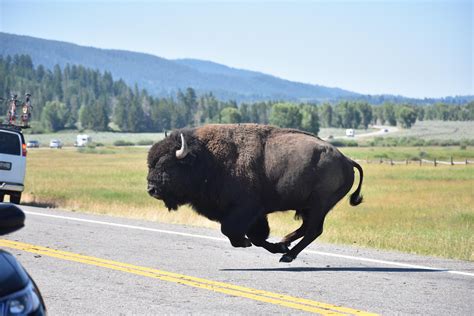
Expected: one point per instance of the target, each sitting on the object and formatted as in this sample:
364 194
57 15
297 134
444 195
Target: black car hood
12 275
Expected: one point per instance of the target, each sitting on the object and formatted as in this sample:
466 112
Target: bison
236 174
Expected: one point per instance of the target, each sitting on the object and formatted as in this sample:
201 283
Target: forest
79 98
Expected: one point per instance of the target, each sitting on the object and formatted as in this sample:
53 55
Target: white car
55 143
12 163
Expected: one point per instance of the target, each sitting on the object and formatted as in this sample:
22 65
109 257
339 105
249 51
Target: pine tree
310 119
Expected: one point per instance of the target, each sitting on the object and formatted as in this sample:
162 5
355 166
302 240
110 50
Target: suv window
10 144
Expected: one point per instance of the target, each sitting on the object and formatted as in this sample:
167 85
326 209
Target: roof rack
13 127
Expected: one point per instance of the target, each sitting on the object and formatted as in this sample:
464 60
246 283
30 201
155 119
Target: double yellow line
220 287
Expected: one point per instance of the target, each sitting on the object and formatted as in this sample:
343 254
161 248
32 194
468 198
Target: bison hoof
286 258
244 243
247 243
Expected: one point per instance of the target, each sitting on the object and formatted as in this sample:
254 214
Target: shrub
381 155
145 142
423 154
122 142
344 143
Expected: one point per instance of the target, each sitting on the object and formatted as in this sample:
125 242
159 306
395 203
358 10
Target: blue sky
410 48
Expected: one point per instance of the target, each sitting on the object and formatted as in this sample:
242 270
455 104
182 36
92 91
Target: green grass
424 210
397 153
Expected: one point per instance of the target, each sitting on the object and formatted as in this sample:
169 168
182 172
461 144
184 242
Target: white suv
12 162
55 143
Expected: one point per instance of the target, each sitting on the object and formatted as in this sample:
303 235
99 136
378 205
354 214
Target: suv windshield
10 143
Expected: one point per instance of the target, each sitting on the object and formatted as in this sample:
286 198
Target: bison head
171 170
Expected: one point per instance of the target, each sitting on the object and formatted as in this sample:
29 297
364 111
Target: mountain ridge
164 77
161 76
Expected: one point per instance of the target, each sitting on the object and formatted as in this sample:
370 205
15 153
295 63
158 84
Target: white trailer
82 140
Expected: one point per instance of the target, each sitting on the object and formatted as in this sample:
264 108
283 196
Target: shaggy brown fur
237 174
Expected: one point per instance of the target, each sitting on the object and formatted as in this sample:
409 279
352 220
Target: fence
420 162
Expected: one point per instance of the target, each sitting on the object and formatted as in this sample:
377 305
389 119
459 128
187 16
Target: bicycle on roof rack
13 105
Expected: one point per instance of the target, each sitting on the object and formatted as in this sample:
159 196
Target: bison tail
356 198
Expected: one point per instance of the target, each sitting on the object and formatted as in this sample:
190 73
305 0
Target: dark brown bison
237 174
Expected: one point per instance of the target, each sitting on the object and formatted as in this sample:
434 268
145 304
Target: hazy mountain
161 76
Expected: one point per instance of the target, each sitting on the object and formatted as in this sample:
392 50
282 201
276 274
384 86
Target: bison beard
237 174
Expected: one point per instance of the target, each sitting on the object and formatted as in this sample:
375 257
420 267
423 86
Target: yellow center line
215 286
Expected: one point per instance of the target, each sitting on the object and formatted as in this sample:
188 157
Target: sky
410 48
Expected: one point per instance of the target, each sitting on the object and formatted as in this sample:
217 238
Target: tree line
76 97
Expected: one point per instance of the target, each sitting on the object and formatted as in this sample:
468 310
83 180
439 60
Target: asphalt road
90 264
382 131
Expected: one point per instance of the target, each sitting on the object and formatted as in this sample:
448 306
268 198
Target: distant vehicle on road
33 144
55 143
12 162
385 130
350 132
82 140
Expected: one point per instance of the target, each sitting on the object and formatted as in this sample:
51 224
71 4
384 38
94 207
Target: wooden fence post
452 162
434 161
421 162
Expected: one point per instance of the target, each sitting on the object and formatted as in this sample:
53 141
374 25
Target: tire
2 196
15 198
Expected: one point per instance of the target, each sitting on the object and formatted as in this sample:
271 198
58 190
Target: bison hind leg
313 221
310 229
300 214
297 234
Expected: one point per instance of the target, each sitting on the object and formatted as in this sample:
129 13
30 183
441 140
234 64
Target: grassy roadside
424 210
402 153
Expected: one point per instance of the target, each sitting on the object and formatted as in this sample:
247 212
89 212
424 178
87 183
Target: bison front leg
235 225
258 234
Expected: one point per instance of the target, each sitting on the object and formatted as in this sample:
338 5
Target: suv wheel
2 195
15 198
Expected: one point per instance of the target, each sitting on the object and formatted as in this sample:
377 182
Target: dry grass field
425 210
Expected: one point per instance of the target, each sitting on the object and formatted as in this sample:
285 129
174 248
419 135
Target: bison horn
183 151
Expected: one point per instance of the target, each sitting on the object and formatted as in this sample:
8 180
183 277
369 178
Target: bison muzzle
237 174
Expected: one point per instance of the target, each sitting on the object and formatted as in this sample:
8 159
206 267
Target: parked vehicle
55 143
350 132
33 144
12 162
19 295
82 140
